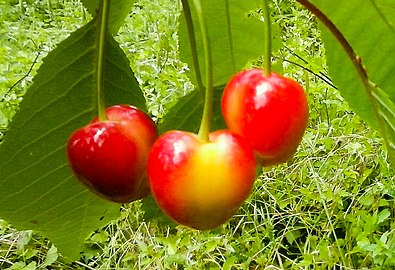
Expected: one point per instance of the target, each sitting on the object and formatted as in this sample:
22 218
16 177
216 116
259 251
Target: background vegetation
330 207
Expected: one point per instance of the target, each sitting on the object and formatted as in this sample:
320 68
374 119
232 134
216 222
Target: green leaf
383 215
100 237
187 113
118 11
51 256
386 9
368 26
37 189
386 111
235 38
292 235
366 200
346 78
229 263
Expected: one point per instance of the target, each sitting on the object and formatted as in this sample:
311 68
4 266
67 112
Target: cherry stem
192 42
103 17
205 124
268 39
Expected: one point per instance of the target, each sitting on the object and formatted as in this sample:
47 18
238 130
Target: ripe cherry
110 156
201 184
271 112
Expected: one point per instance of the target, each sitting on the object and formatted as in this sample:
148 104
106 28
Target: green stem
230 34
103 18
205 124
268 39
192 41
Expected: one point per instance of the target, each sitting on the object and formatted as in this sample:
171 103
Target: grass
331 207
28 32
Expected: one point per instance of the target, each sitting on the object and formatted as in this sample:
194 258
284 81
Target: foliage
28 33
330 207
60 100
369 67
232 47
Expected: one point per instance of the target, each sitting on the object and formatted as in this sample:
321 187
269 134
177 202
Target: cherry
271 112
110 156
201 184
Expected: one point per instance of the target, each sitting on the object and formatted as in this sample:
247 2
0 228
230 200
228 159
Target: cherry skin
110 157
201 184
271 112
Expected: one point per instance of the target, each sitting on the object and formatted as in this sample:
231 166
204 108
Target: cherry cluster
197 183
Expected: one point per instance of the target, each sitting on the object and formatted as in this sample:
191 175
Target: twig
306 62
24 76
324 78
84 265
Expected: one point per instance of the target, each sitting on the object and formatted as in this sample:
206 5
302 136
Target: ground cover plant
331 206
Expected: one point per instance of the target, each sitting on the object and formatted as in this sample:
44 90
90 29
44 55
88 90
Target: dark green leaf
235 38
187 113
368 26
386 111
346 78
37 188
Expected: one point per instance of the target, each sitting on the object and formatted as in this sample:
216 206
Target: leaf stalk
192 42
268 39
103 18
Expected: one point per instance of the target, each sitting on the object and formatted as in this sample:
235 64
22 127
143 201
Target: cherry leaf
187 113
235 37
37 189
368 27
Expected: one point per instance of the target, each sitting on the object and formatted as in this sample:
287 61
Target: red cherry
271 112
110 157
201 184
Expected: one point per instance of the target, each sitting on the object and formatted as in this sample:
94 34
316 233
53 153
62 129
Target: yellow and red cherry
201 184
